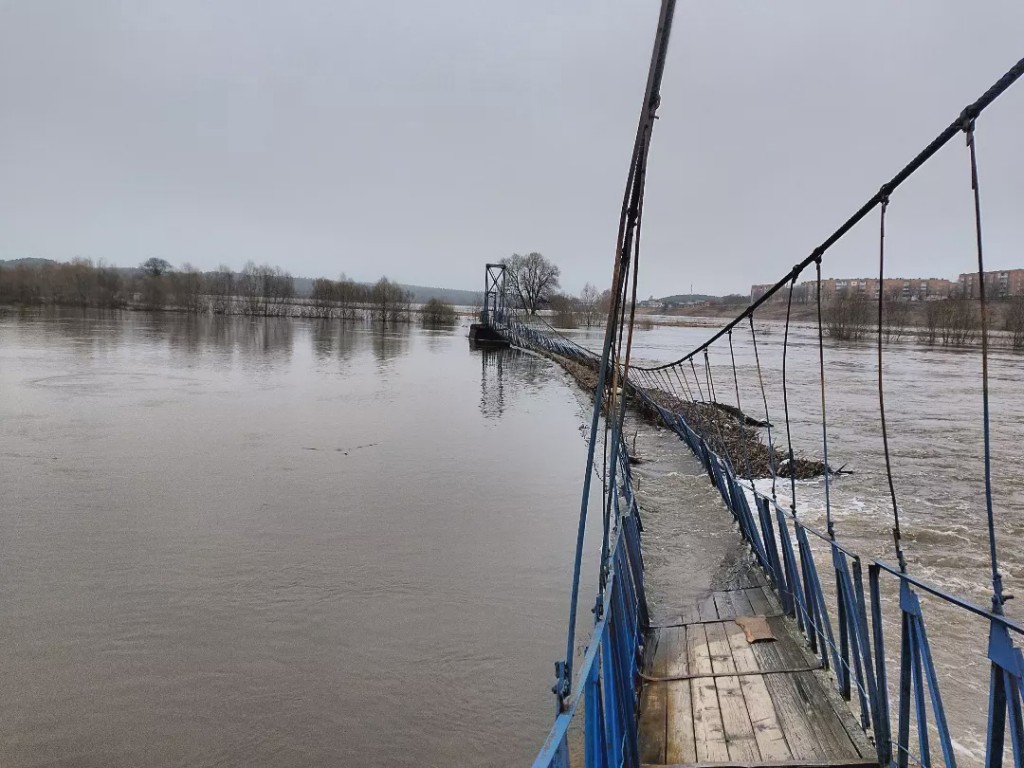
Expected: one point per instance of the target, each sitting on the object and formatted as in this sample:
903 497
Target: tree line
950 322
258 290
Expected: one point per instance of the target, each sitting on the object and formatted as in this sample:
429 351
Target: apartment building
999 284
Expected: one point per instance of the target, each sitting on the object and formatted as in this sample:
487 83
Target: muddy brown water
234 542
227 541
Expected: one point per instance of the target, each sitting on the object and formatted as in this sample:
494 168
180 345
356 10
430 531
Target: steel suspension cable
648 113
739 415
896 533
785 400
767 416
714 412
824 429
997 579
969 113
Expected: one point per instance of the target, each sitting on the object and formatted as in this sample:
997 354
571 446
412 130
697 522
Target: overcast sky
422 139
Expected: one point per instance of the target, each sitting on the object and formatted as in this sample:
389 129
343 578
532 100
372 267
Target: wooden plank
833 731
843 721
736 720
707 608
791 705
741 604
772 600
723 605
680 746
818 710
759 602
690 615
651 738
708 731
771 740
759 579
748 577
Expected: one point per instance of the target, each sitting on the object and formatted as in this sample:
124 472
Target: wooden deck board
741 604
723 603
739 731
830 730
651 738
771 741
783 718
680 741
709 733
707 608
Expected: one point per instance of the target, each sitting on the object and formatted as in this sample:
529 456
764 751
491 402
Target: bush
437 313
847 318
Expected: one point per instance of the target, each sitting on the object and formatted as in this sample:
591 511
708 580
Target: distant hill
686 298
11 263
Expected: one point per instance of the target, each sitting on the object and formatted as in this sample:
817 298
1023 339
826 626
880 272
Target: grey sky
422 139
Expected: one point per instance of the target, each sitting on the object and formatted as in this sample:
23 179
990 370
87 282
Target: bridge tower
493 313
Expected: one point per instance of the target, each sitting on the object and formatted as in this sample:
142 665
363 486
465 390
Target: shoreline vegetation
258 290
268 291
950 322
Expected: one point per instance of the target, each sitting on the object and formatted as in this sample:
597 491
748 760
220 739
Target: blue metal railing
842 621
846 644
606 692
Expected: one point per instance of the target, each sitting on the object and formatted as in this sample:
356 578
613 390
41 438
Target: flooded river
934 414
278 542
235 542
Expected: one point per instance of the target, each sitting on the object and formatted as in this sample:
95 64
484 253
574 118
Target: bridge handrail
853 647
608 682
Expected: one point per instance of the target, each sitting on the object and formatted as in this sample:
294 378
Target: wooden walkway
719 716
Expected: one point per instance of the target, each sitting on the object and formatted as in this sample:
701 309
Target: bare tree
588 305
322 297
932 321
895 316
278 290
187 288
389 302
1015 321
960 322
532 279
220 286
351 297
565 309
846 318
250 288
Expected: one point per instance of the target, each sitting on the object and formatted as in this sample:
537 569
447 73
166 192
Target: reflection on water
505 374
267 541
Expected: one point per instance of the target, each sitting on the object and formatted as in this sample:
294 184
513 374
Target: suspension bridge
814 654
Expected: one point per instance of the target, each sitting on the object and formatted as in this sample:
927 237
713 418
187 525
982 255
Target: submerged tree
389 302
438 314
589 305
847 317
1015 322
532 279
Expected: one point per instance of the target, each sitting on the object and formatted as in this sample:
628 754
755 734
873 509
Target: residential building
999 284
